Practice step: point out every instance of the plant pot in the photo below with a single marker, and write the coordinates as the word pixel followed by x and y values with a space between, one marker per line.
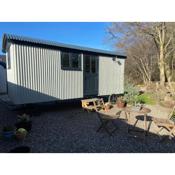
pixel 121 104
pixel 24 124
pixel 21 134
pixel 8 134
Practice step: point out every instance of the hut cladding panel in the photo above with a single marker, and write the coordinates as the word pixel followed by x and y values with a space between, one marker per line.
pixel 39 76
pixel 111 75
pixel 41 71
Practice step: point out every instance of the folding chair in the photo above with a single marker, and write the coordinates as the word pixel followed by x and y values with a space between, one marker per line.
pixel 167 124
pixel 106 118
pixel 105 121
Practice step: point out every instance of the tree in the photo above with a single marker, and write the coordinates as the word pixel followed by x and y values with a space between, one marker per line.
pixel 141 61
pixel 160 35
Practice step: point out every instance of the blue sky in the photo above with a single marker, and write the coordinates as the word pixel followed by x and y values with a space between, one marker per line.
pixel 92 34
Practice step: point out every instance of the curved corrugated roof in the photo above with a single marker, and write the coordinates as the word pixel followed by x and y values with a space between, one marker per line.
pixel 9 37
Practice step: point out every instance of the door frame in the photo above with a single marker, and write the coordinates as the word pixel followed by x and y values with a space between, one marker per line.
pixel 95 93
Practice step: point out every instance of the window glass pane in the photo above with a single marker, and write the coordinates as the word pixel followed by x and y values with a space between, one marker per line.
pixel 87 63
pixel 65 62
pixel 93 65
pixel 75 60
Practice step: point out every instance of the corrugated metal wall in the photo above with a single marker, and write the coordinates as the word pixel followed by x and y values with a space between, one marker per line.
pixel 37 76
pixel 11 74
pixel 111 76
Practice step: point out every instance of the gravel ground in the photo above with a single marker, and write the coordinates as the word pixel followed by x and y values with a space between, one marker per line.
pixel 66 128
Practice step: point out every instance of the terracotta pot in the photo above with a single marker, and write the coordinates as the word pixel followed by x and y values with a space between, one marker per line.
pixel 121 104
pixel 8 134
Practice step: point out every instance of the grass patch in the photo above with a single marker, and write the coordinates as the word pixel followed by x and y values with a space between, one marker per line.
pixel 146 99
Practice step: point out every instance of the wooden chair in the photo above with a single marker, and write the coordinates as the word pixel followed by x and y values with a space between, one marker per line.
pixel 102 112
pixel 106 117
pixel 167 124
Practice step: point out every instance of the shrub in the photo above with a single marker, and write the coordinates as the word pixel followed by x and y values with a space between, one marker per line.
pixel 145 99
pixel 131 93
pixel 23 118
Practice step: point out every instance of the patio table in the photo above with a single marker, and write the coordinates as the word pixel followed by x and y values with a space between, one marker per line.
pixel 143 111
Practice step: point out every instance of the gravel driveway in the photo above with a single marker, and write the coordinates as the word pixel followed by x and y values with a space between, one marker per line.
pixel 66 128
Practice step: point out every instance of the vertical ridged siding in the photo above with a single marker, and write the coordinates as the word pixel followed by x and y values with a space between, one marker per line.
pixel 37 76
pixel 111 76
pixel 11 74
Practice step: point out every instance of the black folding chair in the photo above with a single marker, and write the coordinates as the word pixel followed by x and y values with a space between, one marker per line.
pixel 106 120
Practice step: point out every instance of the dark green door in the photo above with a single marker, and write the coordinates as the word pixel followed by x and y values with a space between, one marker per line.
pixel 90 75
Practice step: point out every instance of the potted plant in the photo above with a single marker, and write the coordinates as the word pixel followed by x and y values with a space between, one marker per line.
pixel 8 132
pixel 24 121
pixel 21 133
pixel 121 103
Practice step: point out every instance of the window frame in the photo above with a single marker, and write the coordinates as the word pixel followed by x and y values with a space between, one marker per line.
pixel 70 67
pixel 91 59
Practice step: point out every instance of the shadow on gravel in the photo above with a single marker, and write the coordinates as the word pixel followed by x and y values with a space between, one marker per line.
pixel 38 109
pixel 65 128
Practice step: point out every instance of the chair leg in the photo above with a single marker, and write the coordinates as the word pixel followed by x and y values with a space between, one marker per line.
pixel 118 114
pixel 135 123
pixel 103 125
pixel 106 129
pixel 160 130
pixel 171 133
pixel 113 124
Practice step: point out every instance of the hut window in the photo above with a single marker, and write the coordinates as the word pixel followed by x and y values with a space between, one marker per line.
pixel 75 60
pixel 65 62
pixel 90 64
pixel 8 60
pixel 70 61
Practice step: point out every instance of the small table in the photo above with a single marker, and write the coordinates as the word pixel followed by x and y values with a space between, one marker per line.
pixel 144 111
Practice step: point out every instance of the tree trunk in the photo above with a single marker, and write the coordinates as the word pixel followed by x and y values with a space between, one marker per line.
pixel 168 75
pixel 162 66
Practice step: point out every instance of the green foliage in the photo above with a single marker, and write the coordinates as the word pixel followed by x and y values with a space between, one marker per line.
pixel 133 96
pixel 145 99
pixel 131 93
pixel 23 118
